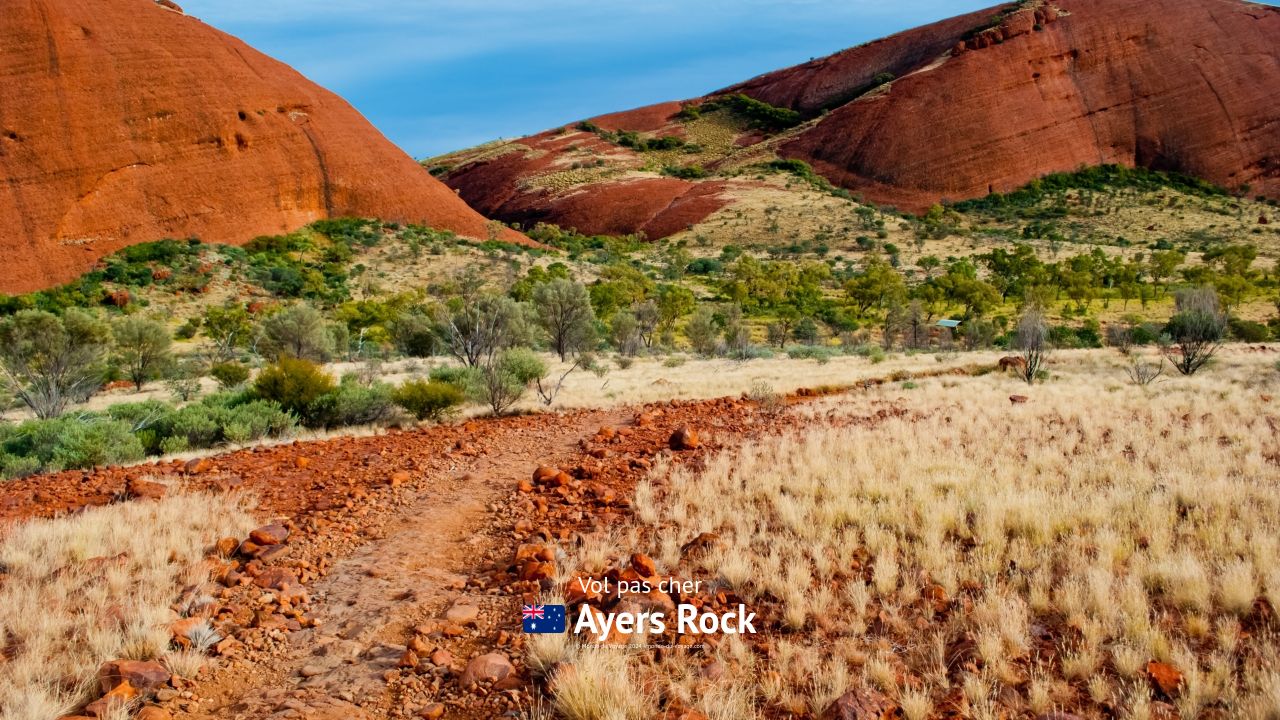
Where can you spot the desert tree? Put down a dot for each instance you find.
(48, 361)
(143, 348)
(298, 331)
(1032, 338)
(737, 336)
(702, 331)
(481, 328)
(228, 328)
(1195, 331)
(564, 313)
(625, 334)
(674, 302)
(648, 319)
(781, 329)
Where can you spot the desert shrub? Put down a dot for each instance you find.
(1066, 336)
(18, 466)
(564, 312)
(70, 442)
(50, 361)
(229, 374)
(188, 329)
(197, 425)
(183, 388)
(142, 348)
(353, 403)
(462, 378)
(1249, 331)
(761, 115)
(685, 172)
(806, 331)
(812, 352)
(1120, 337)
(705, 266)
(1145, 334)
(1195, 331)
(414, 334)
(294, 384)
(429, 399)
(219, 418)
(504, 381)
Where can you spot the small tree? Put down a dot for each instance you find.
(142, 348)
(48, 362)
(1033, 340)
(564, 313)
(702, 331)
(476, 332)
(299, 331)
(504, 381)
(228, 328)
(737, 336)
(624, 334)
(1195, 331)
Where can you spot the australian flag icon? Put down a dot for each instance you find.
(543, 618)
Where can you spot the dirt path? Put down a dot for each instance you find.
(372, 598)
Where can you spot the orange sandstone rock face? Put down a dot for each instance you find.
(1179, 85)
(124, 121)
(984, 102)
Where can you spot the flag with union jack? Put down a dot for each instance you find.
(543, 618)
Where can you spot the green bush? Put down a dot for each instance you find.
(463, 378)
(812, 352)
(223, 418)
(229, 374)
(294, 384)
(685, 172)
(1249, 331)
(429, 399)
(501, 384)
(1145, 334)
(353, 403)
(705, 266)
(18, 466)
(761, 115)
(68, 443)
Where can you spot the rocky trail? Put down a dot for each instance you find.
(388, 576)
(417, 569)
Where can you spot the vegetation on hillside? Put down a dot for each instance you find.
(261, 321)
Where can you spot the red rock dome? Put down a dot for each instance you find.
(124, 121)
(950, 111)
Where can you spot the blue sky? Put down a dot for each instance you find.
(439, 75)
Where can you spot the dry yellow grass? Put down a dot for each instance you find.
(97, 586)
(1076, 538)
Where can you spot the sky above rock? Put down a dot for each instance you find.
(440, 75)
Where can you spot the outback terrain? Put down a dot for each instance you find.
(895, 556)
(950, 359)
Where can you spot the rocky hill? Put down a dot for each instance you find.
(124, 121)
(956, 110)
